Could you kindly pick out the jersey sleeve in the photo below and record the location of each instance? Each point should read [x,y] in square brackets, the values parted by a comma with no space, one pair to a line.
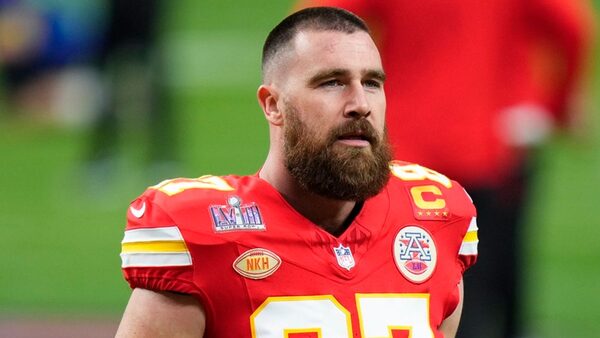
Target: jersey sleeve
[154,253]
[467,253]
[437,198]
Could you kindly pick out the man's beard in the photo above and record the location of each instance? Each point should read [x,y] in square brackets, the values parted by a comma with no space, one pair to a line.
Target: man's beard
[333,170]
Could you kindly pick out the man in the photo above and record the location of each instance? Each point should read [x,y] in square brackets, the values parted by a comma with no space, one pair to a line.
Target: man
[473,88]
[323,241]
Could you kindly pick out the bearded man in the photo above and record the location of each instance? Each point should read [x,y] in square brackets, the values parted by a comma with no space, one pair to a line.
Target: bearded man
[331,238]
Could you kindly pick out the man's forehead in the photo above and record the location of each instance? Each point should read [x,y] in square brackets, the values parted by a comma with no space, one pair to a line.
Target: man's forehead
[315,51]
[329,40]
[333,49]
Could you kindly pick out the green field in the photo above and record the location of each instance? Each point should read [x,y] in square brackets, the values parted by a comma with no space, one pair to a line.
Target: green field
[61,232]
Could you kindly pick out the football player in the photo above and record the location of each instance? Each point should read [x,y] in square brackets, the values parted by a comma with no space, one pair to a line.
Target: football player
[481,84]
[331,238]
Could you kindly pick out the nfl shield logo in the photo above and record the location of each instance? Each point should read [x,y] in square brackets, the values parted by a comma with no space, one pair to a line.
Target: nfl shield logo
[344,257]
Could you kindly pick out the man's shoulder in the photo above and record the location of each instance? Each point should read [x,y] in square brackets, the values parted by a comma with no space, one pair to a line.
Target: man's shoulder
[436,201]
[185,192]
[430,192]
[162,203]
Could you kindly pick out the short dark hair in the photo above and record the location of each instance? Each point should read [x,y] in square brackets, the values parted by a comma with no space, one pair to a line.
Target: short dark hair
[315,18]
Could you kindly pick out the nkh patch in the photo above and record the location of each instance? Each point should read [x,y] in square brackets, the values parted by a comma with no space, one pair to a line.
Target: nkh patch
[344,257]
[257,263]
[415,253]
[236,216]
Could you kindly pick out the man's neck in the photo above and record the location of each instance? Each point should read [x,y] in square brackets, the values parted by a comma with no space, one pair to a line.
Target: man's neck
[334,216]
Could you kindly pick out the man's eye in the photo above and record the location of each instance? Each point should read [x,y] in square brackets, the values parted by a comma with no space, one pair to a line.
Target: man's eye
[372,84]
[331,83]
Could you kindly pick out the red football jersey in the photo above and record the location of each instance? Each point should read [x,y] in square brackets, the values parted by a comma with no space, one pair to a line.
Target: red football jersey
[260,269]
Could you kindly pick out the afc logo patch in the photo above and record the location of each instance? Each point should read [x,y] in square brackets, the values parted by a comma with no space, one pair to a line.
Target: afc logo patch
[415,253]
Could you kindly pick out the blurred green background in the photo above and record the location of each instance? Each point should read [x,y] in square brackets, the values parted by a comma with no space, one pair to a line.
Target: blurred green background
[61,233]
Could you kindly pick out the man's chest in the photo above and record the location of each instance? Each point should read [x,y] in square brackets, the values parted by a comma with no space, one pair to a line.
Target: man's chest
[314,283]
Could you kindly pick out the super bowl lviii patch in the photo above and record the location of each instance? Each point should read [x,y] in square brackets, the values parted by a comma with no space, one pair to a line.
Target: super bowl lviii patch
[236,215]
[257,263]
[415,253]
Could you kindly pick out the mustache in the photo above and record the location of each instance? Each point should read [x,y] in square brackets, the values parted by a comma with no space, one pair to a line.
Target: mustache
[361,128]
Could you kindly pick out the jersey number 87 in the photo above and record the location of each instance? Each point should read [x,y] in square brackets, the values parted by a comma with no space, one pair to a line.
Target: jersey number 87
[379,316]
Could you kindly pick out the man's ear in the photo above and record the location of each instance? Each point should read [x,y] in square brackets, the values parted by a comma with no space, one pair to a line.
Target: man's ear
[268,98]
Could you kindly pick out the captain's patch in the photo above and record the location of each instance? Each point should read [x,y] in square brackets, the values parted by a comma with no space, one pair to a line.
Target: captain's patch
[429,203]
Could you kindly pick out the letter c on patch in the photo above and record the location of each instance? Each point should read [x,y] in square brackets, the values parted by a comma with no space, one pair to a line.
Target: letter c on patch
[417,195]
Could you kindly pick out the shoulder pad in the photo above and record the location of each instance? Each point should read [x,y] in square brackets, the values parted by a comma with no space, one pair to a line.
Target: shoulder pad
[411,172]
[176,186]
[178,194]
[433,195]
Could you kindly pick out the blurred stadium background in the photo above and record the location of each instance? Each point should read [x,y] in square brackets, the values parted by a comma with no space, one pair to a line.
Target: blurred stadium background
[60,227]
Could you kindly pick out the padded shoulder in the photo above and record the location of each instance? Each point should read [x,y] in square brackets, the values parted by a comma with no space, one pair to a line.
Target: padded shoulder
[433,194]
[160,203]
[435,197]
[154,252]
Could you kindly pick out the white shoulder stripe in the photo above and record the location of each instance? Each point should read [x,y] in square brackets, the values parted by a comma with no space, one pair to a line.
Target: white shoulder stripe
[473,225]
[171,233]
[155,259]
[471,240]
[468,248]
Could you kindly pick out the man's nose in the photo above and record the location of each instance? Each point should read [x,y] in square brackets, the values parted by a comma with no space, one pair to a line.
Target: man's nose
[357,105]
